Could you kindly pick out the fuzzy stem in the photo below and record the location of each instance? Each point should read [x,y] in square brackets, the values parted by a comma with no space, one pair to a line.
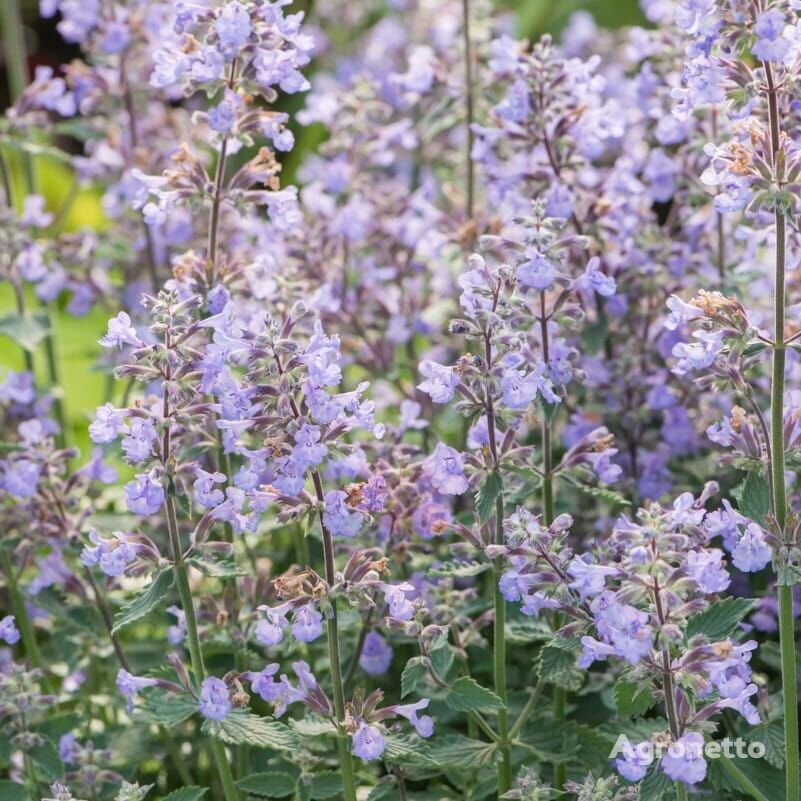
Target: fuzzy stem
[20,611]
[468,79]
[499,602]
[786,621]
[332,631]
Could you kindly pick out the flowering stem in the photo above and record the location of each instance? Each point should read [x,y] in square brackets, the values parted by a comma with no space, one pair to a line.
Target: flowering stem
[332,632]
[185,593]
[786,621]
[468,79]
[499,602]
[20,611]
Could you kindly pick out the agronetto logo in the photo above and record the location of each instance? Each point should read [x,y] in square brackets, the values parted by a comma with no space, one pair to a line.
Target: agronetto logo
[684,759]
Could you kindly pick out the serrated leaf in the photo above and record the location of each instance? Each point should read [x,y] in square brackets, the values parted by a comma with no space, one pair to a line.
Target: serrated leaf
[217,568]
[274,784]
[487,494]
[326,784]
[47,760]
[557,664]
[631,700]
[146,601]
[656,786]
[312,727]
[458,751]
[27,330]
[610,496]
[168,709]
[526,630]
[11,791]
[466,694]
[720,619]
[242,726]
[771,735]
[441,660]
[754,497]
[413,673]
[407,749]
[189,793]
[460,569]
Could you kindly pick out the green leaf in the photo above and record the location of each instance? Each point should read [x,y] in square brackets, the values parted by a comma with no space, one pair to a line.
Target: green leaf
[168,709]
[487,494]
[242,726]
[326,784]
[216,568]
[655,786]
[466,694]
[268,785]
[312,727]
[407,749]
[412,675]
[441,660]
[27,330]
[527,630]
[460,569]
[146,601]
[190,793]
[754,497]
[47,760]
[771,735]
[743,774]
[631,700]
[720,619]
[458,751]
[557,664]
[11,791]
[613,498]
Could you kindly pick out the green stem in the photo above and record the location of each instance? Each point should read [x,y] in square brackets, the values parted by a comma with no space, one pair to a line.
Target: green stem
[468,79]
[195,652]
[20,611]
[735,773]
[786,621]
[332,631]
[499,665]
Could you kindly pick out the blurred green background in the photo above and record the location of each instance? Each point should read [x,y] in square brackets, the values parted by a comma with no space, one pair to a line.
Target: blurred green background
[74,339]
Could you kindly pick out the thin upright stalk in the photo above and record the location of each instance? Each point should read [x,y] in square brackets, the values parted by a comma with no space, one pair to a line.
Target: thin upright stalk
[469,108]
[187,602]
[332,632]
[499,602]
[786,620]
[20,611]
[559,699]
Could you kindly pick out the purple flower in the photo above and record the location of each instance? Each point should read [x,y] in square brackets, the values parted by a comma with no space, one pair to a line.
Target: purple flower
[399,606]
[144,495]
[520,389]
[538,272]
[120,332]
[423,725]
[20,478]
[307,624]
[338,517]
[215,703]
[8,630]
[206,494]
[707,568]
[113,554]
[440,383]
[368,742]
[633,764]
[684,761]
[68,748]
[597,280]
[751,553]
[376,655]
[770,44]
[446,470]
[108,424]
[130,685]
[233,27]
[270,629]
[140,437]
